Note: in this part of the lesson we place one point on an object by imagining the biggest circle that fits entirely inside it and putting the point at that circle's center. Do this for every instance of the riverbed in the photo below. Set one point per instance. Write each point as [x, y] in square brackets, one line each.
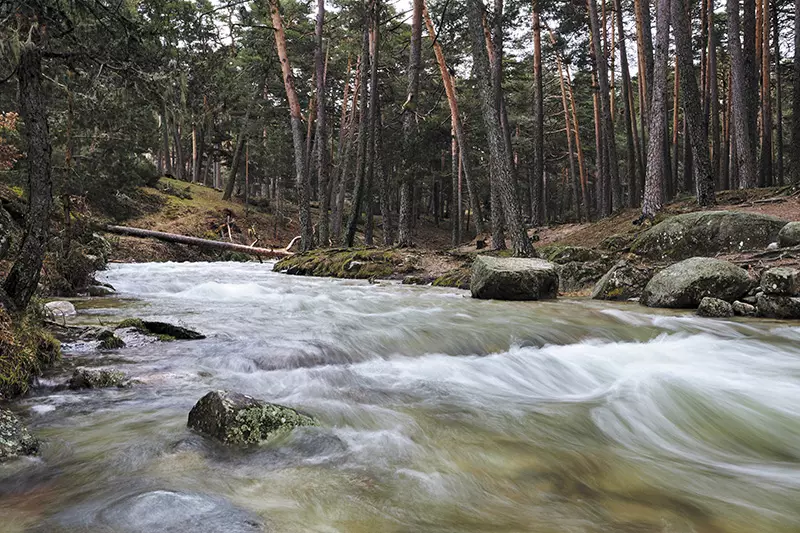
[438, 413]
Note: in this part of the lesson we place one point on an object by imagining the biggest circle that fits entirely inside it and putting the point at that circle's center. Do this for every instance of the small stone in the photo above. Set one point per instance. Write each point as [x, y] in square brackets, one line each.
[83, 378]
[238, 419]
[99, 290]
[744, 309]
[772, 246]
[775, 306]
[714, 308]
[15, 441]
[781, 280]
[59, 309]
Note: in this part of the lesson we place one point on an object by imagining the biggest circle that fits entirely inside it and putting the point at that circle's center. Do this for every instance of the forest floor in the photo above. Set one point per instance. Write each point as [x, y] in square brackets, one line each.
[196, 210]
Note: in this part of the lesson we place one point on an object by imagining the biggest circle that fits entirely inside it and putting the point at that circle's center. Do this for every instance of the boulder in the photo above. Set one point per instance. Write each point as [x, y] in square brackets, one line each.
[565, 253]
[83, 378]
[109, 341]
[714, 308]
[234, 418]
[576, 275]
[169, 511]
[781, 280]
[776, 306]
[789, 235]
[684, 284]
[513, 278]
[743, 309]
[624, 281]
[99, 290]
[163, 330]
[15, 441]
[59, 309]
[706, 233]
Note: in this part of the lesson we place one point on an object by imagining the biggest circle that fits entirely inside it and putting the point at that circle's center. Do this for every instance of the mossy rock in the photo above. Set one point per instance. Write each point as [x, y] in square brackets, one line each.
[619, 243]
[576, 276]
[15, 440]
[706, 233]
[685, 284]
[458, 278]
[513, 278]
[83, 378]
[109, 341]
[623, 281]
[237, 419]
[366, 263]
[565, 253]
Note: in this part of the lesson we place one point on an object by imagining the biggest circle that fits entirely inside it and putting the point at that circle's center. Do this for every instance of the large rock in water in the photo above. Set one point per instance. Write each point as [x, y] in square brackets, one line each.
[513, 278]
[776, 306]
[706, 233]
[624, 281]
[234, 418]
[685, 284]
[15, 441]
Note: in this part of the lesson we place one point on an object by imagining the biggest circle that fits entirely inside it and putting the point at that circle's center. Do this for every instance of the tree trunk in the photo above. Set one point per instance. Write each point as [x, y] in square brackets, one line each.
[498, 156]
[713, 95]
[374, 112]
[765, 176]
[235, 161]
[165, 141]
[629, 119]
[361, 152]
[573, 178]
[537, 180]
[654, 179]
[796, 95]
[410, 129]
[303, 188]
[742, 132]
[751, 73]
[22, 280]
[778, 95]
[646, 59]
[672, 182]
[323, 194]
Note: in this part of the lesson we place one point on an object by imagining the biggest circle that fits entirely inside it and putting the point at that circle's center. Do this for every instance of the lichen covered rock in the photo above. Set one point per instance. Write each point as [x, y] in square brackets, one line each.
[238, 419]
[705, 233]
[577, 276]
[565, 253]
[15, 440]
[776, 306]
[84, 378]
[623, 281]
[789, 235]
[109, 341]
[685, 284]
[781, 280]
[59, 309]
[513, 278]
[714, 308]
[744, 309]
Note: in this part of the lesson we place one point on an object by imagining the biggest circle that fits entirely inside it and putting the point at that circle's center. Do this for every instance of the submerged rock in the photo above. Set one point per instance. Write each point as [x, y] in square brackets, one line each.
[83, 378]
[513, 278]
[234, 418]
[781, 280]
[176, 512]
[714, 308]
[99, 290]
[59, 309]
[685, 284]
[776, 306]
[705, 233]
[163, 330]
[624, 281]
[109, 341]
[15, 441]
[789, 235]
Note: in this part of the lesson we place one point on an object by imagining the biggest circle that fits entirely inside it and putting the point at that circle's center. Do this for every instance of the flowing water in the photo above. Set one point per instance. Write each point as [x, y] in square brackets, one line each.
[439, 414]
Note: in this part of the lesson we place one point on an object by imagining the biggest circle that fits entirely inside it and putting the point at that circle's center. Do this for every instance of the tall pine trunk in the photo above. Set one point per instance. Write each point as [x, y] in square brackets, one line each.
[796, 95]
[537, 179]
[765, 176]
[323, 194]
[778, 95]
[631, 152]
[740, 92]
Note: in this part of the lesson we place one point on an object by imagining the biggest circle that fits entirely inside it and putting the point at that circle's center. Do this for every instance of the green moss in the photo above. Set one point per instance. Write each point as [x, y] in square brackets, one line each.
[565, 253]
[458, 278]
[26, 350]
[367, 263]
[96, 379]
[256, 424]
[165, 338]
[135, 323]
[109, 341]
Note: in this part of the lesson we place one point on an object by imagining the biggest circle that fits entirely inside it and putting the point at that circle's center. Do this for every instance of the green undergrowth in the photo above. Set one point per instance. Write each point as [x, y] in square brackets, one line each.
[26, 350]
[457, 277]
[365, 263]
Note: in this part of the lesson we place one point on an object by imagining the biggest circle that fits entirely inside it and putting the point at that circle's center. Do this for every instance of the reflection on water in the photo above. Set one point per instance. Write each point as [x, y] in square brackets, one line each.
[440, 414]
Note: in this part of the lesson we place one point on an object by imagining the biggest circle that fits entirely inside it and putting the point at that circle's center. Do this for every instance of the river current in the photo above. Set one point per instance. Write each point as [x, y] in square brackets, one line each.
[438, 413]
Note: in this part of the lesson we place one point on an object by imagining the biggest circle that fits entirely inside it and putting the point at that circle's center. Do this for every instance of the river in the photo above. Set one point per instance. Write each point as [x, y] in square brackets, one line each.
[439, 413]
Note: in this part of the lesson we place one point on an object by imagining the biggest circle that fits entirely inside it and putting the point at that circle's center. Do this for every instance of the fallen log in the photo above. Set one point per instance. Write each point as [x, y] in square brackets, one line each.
[196, 241]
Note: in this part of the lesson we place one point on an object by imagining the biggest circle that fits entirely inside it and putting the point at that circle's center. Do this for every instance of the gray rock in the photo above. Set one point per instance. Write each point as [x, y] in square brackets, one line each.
[714, 308]
[705, 233]
[773, 245]
[83, 378]
[622, 282]
[577, 275]
[513, 278]
[15, 441]
[789, 235]
[781, 280]
[99, 290]
[109, 340]
[563, 254]
[684, 284]
[237, 419]
[59, 309]
[743, 309]
[176, 512]
[775, 306]
[751, 300]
